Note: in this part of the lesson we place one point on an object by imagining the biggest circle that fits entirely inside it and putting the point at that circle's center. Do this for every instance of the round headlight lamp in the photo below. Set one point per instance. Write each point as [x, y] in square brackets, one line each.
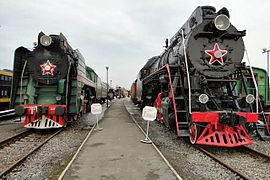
[203, 98]
[222, 22]
[58, 97]
[45, 40]
[250, 98]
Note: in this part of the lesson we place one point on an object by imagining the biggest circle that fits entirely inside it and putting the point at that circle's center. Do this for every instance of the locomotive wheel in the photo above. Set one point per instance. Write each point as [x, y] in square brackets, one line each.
[193, 133]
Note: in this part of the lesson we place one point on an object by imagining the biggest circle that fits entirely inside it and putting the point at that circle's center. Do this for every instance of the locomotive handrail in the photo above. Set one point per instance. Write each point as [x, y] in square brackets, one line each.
[22, 80]
[255, 83]
[67, 83]
[188, 79]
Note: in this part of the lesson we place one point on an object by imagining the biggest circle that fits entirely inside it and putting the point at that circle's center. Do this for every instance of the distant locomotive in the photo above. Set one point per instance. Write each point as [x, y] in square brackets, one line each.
[5, 86]
[52, 84]
[193, 82]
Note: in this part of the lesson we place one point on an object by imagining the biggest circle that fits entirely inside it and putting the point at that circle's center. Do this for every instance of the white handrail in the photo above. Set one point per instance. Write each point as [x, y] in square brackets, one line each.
[68, 83]
[255, 83]
[22, 80]
[188, 80]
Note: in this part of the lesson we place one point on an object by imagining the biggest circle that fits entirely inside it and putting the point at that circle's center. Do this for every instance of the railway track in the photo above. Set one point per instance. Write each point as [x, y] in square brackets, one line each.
[243, 161]
[7, 114]
[16, 149]
[239, 163]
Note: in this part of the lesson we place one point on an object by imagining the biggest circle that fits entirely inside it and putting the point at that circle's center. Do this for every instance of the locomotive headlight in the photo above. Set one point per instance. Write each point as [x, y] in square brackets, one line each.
[250, 98]
[203, 98]
[45, 40]
[58, 97]
[222, 22]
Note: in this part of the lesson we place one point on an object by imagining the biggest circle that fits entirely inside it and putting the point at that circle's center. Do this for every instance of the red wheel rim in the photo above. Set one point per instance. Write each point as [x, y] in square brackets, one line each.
[193, 133]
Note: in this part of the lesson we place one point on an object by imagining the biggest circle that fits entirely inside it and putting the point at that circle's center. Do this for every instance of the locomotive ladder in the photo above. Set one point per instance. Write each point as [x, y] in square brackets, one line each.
[181, 112]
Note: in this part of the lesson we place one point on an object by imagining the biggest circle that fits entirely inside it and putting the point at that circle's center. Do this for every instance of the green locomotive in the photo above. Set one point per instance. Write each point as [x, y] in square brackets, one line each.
[52, 84]
[245, 86]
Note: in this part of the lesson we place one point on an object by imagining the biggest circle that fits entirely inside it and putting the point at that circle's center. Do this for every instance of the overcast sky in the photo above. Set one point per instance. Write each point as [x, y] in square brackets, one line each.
[121, 34]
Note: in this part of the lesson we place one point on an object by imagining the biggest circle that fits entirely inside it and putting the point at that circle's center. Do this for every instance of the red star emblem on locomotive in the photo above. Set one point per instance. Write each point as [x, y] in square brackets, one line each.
[47, 68]
[216, 54]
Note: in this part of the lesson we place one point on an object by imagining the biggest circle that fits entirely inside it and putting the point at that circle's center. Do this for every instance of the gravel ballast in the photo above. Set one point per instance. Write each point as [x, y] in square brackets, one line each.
[186, 159]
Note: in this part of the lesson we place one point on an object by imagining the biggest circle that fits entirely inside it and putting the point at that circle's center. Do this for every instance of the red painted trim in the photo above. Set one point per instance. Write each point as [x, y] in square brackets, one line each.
[158, 106]
[211, 117]
[267, 122]
[173, 100]
[157, 102]
[224, 135]
[86, 81]
[31, 113]
[250, 117]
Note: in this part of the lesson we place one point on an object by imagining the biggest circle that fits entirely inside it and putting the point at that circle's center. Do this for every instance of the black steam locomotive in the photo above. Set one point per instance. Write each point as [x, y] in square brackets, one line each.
[193, 82]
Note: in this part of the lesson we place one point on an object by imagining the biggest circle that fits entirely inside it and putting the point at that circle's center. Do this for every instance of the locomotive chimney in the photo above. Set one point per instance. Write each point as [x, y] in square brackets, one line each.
[166, 43]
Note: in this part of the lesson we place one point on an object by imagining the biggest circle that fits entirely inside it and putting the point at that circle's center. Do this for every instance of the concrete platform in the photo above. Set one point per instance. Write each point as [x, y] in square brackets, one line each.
[117, 153]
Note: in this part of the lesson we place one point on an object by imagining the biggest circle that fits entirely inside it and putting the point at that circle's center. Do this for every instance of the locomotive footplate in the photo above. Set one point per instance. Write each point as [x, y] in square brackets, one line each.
[224, 128]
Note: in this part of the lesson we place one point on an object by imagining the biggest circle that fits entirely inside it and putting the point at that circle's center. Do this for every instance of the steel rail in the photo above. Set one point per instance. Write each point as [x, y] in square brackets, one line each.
[7, 113]
[14, 137]
[221, 162]
[258, 152]
[8, 169]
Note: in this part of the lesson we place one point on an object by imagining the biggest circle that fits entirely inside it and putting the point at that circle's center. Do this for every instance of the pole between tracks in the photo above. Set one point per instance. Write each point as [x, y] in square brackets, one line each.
[107, 68]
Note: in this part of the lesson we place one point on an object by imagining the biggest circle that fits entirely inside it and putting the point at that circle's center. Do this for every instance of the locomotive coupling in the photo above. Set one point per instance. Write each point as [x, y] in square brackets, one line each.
[231, 119]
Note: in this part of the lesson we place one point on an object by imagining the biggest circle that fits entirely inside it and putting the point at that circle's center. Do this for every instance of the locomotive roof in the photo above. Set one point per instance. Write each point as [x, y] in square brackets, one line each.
[90, 69]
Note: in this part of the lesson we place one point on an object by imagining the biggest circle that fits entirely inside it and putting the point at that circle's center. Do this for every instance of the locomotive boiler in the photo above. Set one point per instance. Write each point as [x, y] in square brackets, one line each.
[193, 82]
[52, 84]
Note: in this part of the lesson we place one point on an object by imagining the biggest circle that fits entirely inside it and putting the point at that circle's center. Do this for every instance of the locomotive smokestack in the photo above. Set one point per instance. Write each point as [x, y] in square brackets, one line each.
[166, 43]
[224, 11]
